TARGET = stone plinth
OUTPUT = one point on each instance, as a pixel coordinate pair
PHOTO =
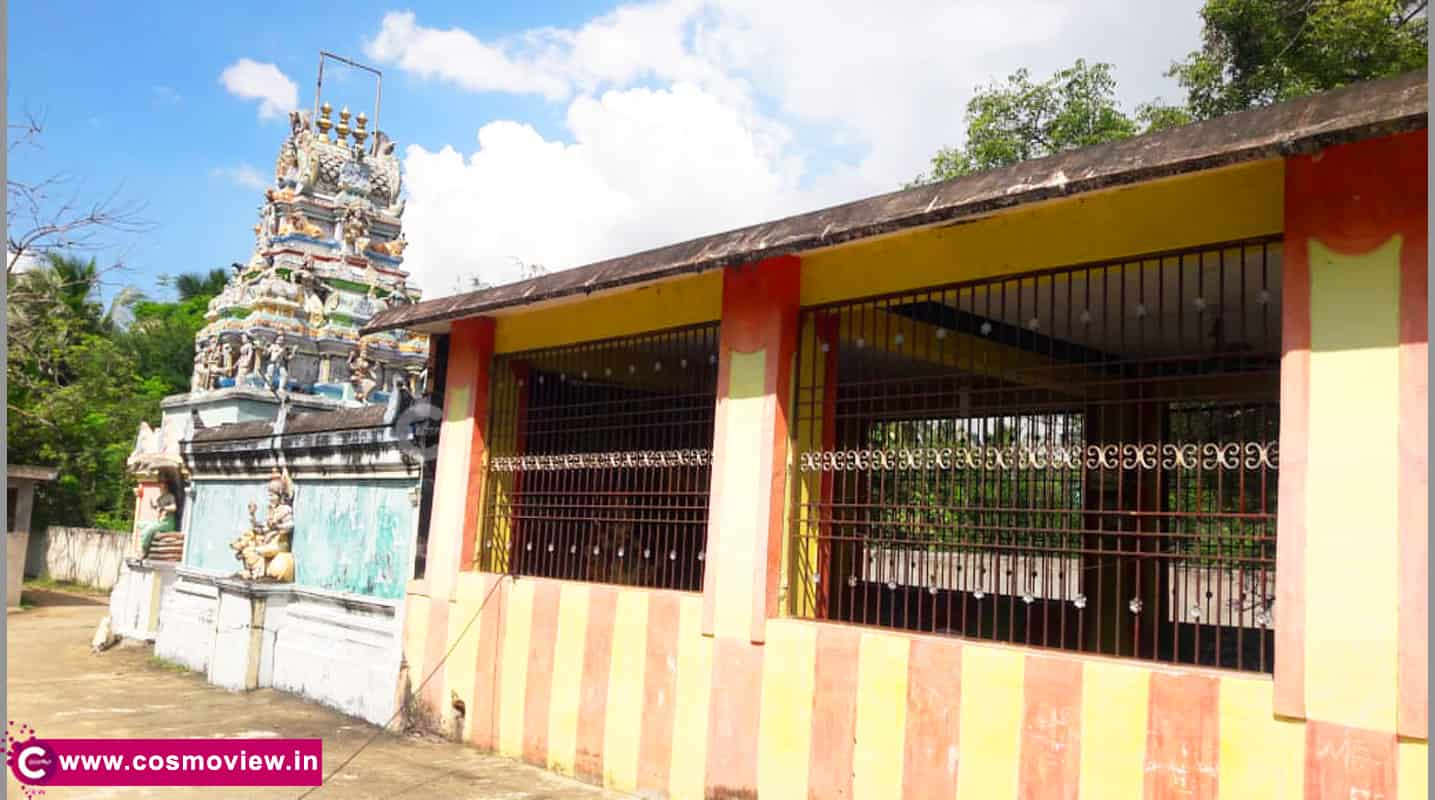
(137, 596)
(339, 649)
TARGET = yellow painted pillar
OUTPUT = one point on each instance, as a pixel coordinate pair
(758, 341)
(454, 520)
(758, 344)
(1351, 594)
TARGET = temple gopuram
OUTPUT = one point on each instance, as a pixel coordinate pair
(328, 255)
(280, 496)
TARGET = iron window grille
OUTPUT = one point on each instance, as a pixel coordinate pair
(600, 460)
(1083, 458)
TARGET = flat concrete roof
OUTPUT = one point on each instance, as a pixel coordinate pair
(16, 472)
(1361, 111)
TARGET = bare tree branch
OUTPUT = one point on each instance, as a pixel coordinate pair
(39, 222)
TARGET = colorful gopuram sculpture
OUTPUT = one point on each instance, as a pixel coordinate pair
(283, 335)
(263, 550)
(328, 255)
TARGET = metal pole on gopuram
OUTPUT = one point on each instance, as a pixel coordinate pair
(378, 89)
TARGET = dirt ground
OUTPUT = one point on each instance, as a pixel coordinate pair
(63, 691)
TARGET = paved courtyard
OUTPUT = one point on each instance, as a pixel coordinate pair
(58, 687)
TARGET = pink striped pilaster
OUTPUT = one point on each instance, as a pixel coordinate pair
(660, 691)
(1343, 762)
(834, 712)
(593, 699)
(487, 686)
(734, 717)
(934, 692)
(1051, 729)
(537, 689)
(457, 487)
(1183, 743)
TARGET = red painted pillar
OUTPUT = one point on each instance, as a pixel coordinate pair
(458, 488)
(757, 348)
(1347, 307)
(758, 344)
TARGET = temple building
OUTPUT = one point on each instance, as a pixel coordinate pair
(1097, 475)
(1100, 475)
(281, 494)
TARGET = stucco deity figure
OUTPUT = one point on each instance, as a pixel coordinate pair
(393, 247)
(297, 223)
(264, 548)
(313, 292)
(226, 362)
(218, 363)
(199, 378)
(278, 356)
(354, 230)
(314, 310)
(361, 373)
(248, 362)
(165, 509)
(399, 296)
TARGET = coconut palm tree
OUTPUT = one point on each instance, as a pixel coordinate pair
(189, 285)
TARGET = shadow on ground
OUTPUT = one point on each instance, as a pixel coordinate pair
(43, 598)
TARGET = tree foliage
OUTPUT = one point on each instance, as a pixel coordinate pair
(1020, 119)
(80, 382)
(192, 284)
(1257, 52)
(1254, 52)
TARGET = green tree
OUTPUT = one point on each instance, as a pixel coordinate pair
(1020, 119)
(190, 285)
(80, 382)
(1253, 53)
(1257, 52)
(161, 339)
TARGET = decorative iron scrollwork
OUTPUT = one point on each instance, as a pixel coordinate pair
(645, 459)
(1170, 456)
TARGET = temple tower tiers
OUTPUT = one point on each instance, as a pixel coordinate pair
(283, 335)
(328, 255)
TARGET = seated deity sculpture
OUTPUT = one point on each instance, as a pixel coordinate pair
(263, 550)
(161, 533)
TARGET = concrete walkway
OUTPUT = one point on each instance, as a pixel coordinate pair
(62, 691)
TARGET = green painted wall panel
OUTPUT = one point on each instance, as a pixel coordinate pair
(354, 536)
(349, 535)
(218, 514)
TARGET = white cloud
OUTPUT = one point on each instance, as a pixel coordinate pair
(459, 57)
(626, 182)
(243, 175)
(251, 80)
(687, 117)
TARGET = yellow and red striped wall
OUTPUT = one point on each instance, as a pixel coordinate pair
(718, 694)
(619, 686)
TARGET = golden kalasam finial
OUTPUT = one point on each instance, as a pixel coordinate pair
(343, 127)
(360, 132)
(324, 123)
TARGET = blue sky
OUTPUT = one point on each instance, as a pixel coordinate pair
(605, 128)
